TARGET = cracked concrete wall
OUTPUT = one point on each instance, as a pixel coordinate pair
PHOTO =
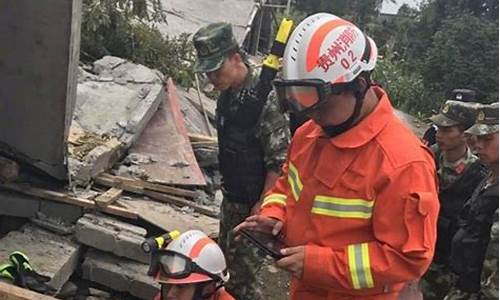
(38, 64)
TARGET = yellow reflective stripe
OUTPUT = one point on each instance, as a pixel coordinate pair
(342, 207)
(359, 266)
(294, 181)
(274, 198)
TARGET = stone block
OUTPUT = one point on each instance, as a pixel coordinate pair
(119, 274)
(111, 235)
(67, 212)
(50, 254)
(18, 205)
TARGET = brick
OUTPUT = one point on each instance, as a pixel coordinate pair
(119, 274)
(50, 254)
(111, 235)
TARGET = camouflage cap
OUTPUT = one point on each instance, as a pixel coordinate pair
(213, 42)
(455, 113)
(486, 121)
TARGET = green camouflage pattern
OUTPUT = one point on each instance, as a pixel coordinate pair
(489, 276)
(212, 43)
(448, 172)
(243, 259)
(455, 113)
(456, 294)
(486, 120)
(274, 134)
(436, 282)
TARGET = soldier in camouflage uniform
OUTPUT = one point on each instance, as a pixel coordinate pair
(489, 277)
(470, 243)
(253, 138)
(459, 172)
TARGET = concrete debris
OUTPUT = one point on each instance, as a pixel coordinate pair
(110, 235)
(120, 274)
(9, 170)
(112, 109)
(54, 224)
(133, 171)
(207, 156)
(99, 293)
(69, 289)
(50, 254)
(137, 159)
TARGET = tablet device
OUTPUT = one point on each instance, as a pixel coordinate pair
(268, 243)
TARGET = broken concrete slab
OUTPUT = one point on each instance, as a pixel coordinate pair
(113, 107)
(65, 212)
(50, 254)
(111, 235)
(166, 142)
(38, 76)
(169, 218)
(120, 274)
(192, 111)
(18, 205)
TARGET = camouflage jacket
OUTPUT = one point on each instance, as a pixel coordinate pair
(272, 129)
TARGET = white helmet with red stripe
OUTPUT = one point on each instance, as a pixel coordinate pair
(326, 47)
(201, 250)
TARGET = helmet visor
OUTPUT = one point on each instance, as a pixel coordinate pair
(174, 265)
(177, 266)
(304, 96)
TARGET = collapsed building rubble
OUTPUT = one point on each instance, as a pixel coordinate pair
(92, 231)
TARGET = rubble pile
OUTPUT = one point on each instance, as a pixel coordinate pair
(133, 174)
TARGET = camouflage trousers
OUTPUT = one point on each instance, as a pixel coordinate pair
(437, 282)
(242, 258)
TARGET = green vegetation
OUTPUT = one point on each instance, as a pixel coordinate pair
(125, 28)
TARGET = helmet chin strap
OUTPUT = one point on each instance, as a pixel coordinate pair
(334, 130)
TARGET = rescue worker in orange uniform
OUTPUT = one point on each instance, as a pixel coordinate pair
(192, 267)
(357, 204)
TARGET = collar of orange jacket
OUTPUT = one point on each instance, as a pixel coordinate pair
(365, 130)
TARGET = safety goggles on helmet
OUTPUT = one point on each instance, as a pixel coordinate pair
(178, 266)
(305, 96)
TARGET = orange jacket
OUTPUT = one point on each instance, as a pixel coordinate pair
(364, 203)
(221, 294)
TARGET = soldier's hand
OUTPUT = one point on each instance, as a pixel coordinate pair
(293, 261)
(260, 223)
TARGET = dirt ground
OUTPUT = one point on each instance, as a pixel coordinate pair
(274, 283)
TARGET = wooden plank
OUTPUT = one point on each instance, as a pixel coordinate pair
(132, 186)
(165, 140)
(193, 137)
(108, 197)
(65, 198)
(136, 185)
(168, 218)
(12, 292)
(181, 203)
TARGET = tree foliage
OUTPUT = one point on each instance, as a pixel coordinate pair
(125, 28)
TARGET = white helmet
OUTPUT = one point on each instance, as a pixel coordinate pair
(326, 47)
(191, 258)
